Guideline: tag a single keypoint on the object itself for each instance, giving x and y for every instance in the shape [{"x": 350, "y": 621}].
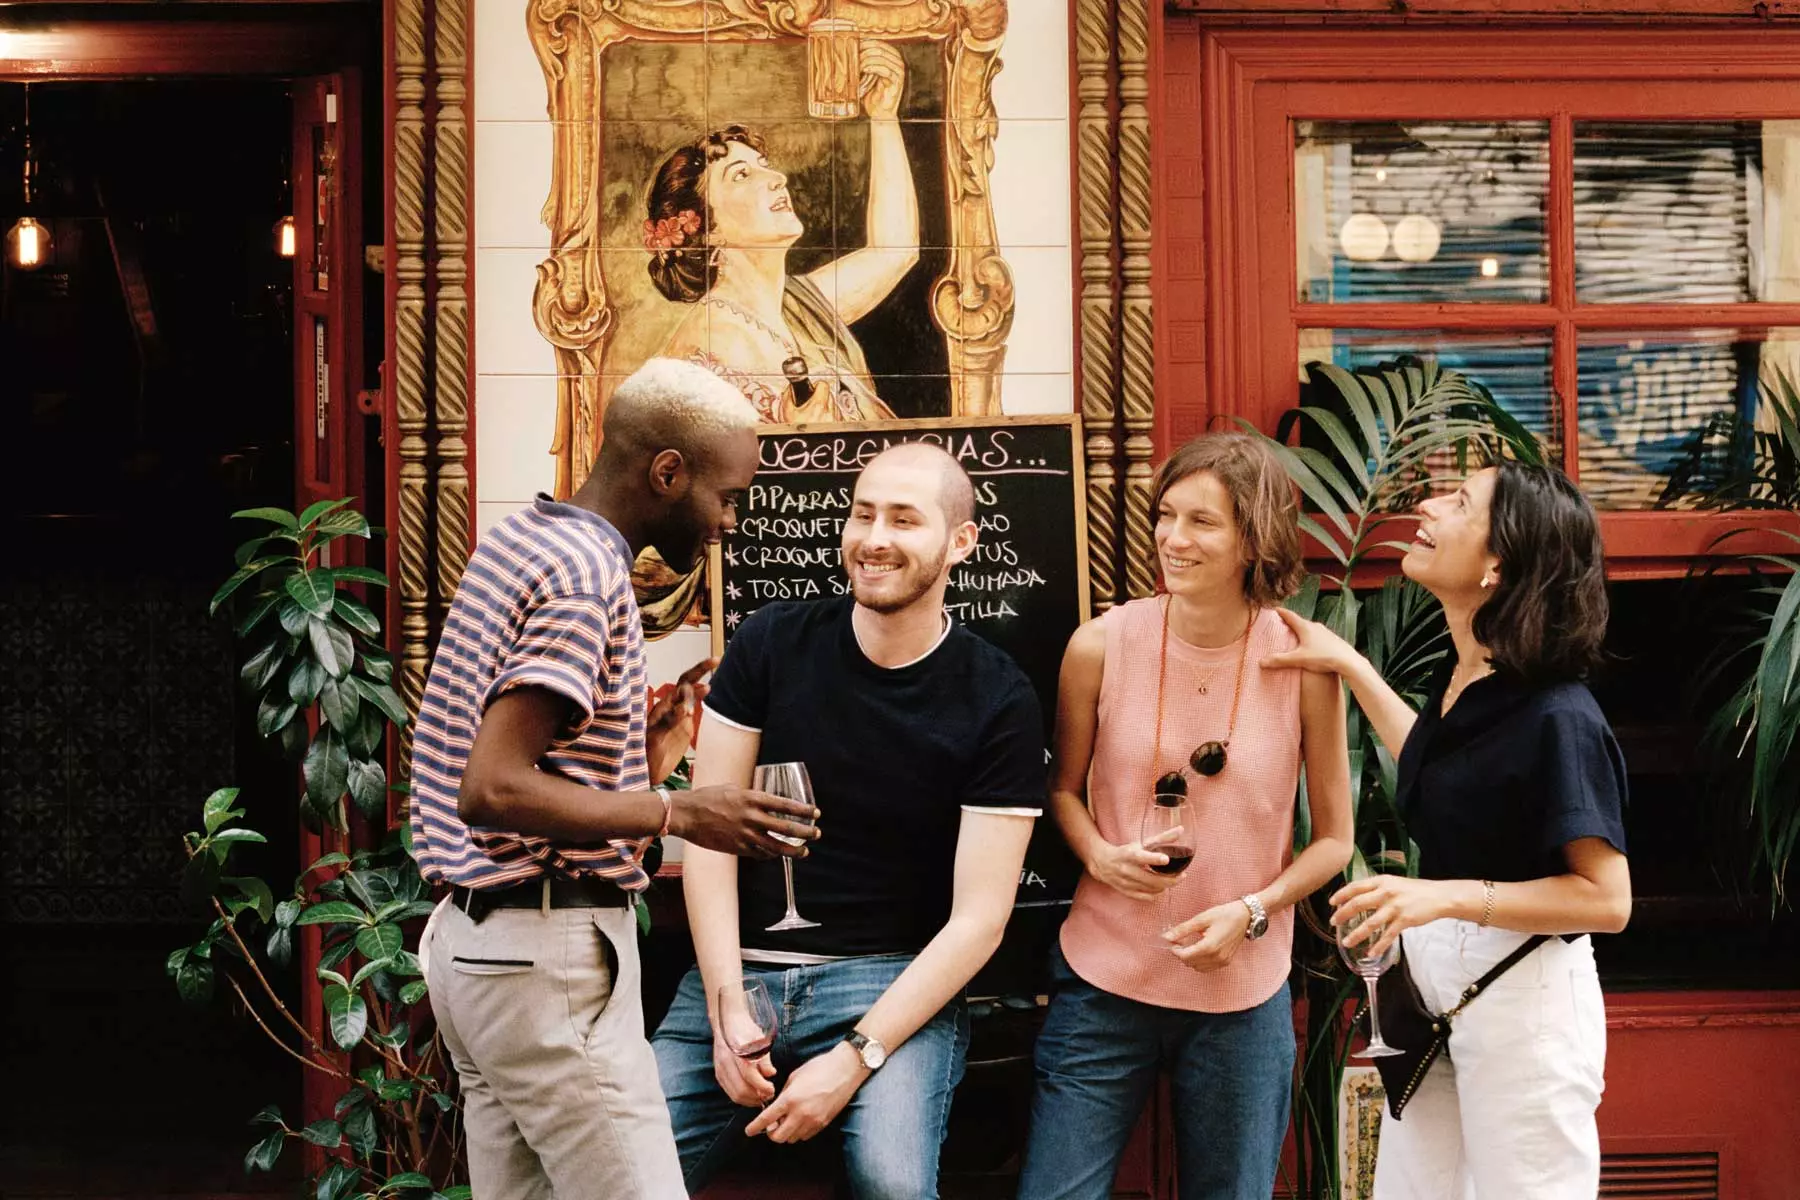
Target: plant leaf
[
  {"x": 263, "y": 666},
  {"x": 265, "y": 604},
  {"x": 383, "y": 696},
  {"x": 237, "y": 580},
  {"x": 348, "y": 1014},
  {"x": 275, "y": 516},
  {"x": 360, "y": 575},
  {"x": 413, "y": 992},
  {"x": 294, "y": 619},
  {"x": 327, "y": 767},
  {"x": 313, "y": 590},
  {"x": 379, "y": 942},
  {"x": 337, "y": 1181},
  {"x": 258, "y": 892},
  {"x": 359, "y": 1131},
  {"x": 218, "y": 808},
  {"x": 333, "y": 912},
  {"x": 262, "y": 1156},
  {"x": 194, "y": 980},
  {"x": 354, "y": 614},
  {"x": 319, "y": 508},
  {"x": 334, "y": 859},
  {"x": 332, "y": 645},
  {"x": 340, "y": 703},
  {"x": 368, "y": 787},
  {"x": 324, "y": 1132},
  {"x": 378, "y": 665}
]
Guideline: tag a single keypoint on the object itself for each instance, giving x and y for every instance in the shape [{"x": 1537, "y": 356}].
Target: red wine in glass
[
  {"x": 747, "y": 1017},
  {"x": 1179, "y": 858}
]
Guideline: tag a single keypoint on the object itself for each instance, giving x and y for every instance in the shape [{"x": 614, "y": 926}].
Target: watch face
[{"x": 873, "y": 1055}]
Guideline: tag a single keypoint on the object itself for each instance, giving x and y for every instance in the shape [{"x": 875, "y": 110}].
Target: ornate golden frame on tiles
[{"x": 971, "y": 303}]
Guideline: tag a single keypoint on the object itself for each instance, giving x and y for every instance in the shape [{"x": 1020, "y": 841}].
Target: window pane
[
  {"x": 1689, "y": 213},
  {"x": 1421, "y": 212},
  {"x": 1668, "y": 417},
  {"x": 1514, "y": 367}
]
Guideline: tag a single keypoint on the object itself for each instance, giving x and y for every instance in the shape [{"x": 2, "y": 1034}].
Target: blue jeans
[
  {"x": 894, "y": 1124},
  {"x": 1230, "y": 1078}
]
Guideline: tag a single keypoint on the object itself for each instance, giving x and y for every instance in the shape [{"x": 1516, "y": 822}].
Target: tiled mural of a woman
[
  {"x": 795, "y": 196},
  {"x": 721, "y": 220}
]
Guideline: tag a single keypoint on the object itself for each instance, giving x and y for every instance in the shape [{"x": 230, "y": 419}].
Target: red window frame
[{"x": 1252, "y": 84}]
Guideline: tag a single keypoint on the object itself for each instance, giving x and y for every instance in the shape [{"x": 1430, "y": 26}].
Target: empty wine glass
[
  {"x": 1165, "y": 830},
  {"x": 1369, "y": 967},
  {"x": 787, "y": 779},
  {"x": 747, "y": 1018}
]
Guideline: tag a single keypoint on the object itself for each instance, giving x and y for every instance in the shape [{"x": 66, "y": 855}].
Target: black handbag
[{"x": 1408, "y": 1026}]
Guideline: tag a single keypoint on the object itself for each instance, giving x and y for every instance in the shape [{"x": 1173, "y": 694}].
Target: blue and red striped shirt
[{"x": 546, "y": 601}]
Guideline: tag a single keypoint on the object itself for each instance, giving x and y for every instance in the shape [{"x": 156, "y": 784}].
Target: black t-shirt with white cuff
[
  {"x": 1496, "y": 788},
  {"x": 896, "y": 755}
]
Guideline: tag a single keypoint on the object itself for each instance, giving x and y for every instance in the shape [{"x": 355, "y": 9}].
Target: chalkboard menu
[{"x": 1025, "y": 588}]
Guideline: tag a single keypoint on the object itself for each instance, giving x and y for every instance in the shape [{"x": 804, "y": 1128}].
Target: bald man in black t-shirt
[{"x": 924, "y": 745}]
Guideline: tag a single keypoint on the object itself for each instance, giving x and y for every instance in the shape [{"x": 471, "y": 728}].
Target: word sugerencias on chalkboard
[{"x": 790, "y": 527}]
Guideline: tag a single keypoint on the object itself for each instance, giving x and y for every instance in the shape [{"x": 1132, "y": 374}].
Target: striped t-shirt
[{"x": 546, "y": 601}]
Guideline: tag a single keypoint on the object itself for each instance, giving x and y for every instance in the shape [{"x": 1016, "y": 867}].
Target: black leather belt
[{"x": 563, "y": 893}]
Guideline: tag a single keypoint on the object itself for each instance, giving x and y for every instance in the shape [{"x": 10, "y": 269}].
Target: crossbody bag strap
[{"x": 1502, "y": 967}]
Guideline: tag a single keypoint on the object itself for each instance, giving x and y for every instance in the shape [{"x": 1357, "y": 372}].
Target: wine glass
[
  {"x": 1369, "y": 967},
  {"x": 747, "y": 1018},
  {"x": 787, "y": 779},
  {"x": 1165, "y": 829}
]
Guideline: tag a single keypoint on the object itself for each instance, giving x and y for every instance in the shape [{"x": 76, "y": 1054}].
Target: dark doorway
[{"x": 146, "y": 392}]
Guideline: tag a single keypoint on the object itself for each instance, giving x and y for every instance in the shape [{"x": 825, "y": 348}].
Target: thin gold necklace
[{"x": 1162, "y": 670}]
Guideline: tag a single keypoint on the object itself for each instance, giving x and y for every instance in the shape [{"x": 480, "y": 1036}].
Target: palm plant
[
  {"x": 1378, "y": 440},
  {"x": 1751, "y": 735}
]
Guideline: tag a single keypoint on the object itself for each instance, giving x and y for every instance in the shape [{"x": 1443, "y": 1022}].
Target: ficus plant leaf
[{"x": 322, "y": 688}]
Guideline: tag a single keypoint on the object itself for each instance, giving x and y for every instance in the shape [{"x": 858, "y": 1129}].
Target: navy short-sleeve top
[{"x": 1511, "y": 775}]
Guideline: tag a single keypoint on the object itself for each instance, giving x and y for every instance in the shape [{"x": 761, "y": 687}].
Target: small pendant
[{"x": 1203, "y": 690}]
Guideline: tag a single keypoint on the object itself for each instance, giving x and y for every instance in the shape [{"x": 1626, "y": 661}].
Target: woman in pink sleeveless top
[{"x": 1174, "y": 683}]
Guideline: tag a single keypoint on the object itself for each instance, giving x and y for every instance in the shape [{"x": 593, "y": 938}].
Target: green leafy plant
[
  {"x": 1751, "y": 736},
  {"x": 322, "y": 690},
  {"x": 1376, "y": 441}
]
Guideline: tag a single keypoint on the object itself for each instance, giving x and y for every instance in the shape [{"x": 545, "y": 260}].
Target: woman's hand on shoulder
[{"x": 1318, "y": 648}]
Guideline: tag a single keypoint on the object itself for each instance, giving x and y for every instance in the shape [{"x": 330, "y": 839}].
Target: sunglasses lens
[
  {"x": 1209, "y": 759},
  {"x": 1172, "y": 784}
]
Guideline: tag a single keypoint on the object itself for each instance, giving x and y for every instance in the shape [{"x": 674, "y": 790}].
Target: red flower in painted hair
[{"x": 670, "y": 232}]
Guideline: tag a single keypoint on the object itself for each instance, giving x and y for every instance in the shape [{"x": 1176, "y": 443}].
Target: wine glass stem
[
  {"x": 787, "y": 877},
  {"x": 1369, "y": 982}
]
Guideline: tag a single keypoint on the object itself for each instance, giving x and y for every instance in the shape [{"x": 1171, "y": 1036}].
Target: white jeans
[{"x": 1508, "y": 1112}]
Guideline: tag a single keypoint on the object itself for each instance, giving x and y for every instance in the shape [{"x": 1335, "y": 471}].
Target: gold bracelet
[{"x": 1487, "y": 903}]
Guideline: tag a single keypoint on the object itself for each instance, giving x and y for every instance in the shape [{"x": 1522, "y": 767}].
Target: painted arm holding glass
[
  {"x": 1512, "y": 786},
  {"x": 1178, "y": 758}
]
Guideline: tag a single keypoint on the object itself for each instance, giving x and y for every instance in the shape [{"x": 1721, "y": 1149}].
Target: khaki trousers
[{"x": 543, "y": 1018}]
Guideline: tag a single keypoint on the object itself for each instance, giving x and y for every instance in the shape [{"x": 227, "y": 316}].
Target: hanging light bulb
[
  {"x": 1490, "y": 268},
  {"x": 28, "y": 244},
  {"x": 1417, "y": 238},
  {"x": 1364, "y": 237},
  {"x": 286, "y": 238}
]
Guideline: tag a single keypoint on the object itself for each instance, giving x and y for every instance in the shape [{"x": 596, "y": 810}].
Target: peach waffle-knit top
[{"x": 1242, "y": 818}]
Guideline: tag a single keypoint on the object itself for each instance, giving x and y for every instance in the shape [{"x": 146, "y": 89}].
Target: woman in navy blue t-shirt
[{"x": 1511, "y": 784}]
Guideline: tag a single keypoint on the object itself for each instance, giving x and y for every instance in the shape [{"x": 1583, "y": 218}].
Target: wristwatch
[
  {"x": 1259, "y": 918},
  {"x": 871, "y": 1051}
]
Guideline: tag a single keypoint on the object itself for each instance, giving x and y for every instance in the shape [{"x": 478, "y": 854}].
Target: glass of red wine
[
  {"x": 1166, "y": 832},
  {"x": 747, "y": 1018}
]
